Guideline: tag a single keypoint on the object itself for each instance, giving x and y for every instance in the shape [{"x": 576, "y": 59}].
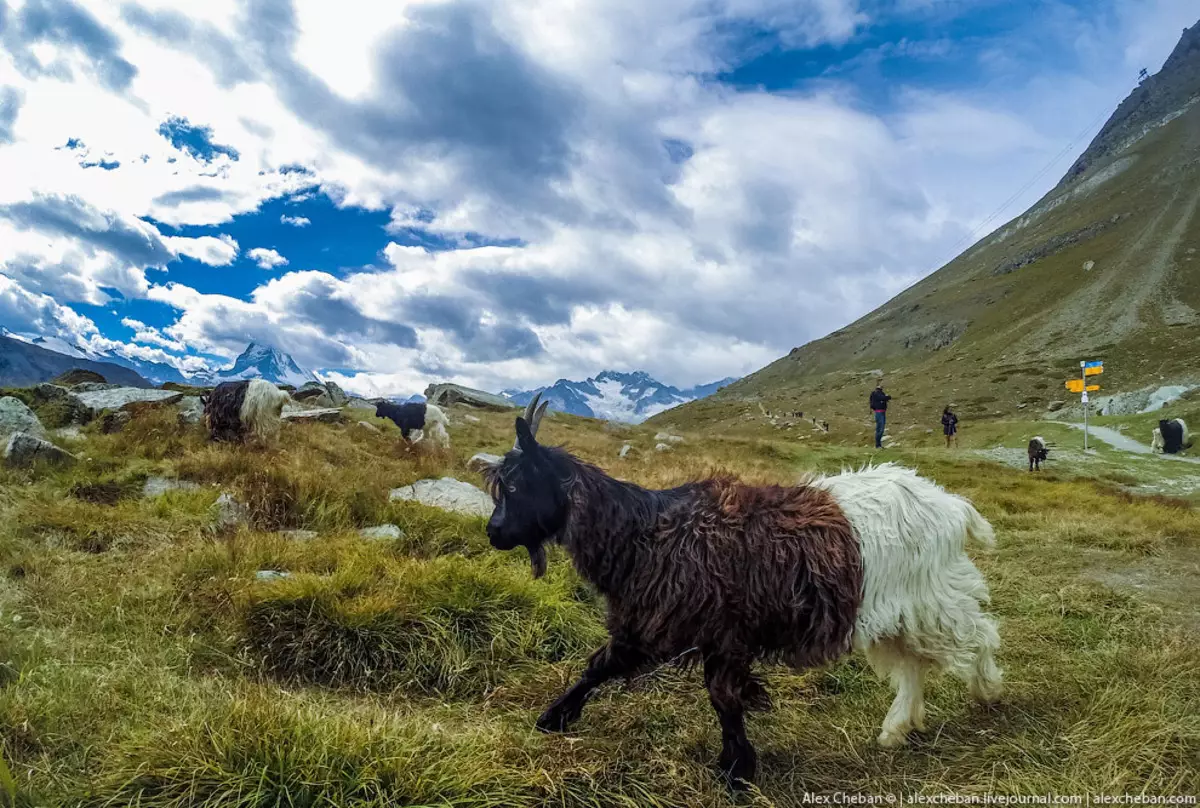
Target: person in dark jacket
[
  {"x": 950, "y": 426},
  {"x": 879, "y": 402}
]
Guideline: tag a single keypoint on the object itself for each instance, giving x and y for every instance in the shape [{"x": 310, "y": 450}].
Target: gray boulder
[
  {"x": 92, "y": 387},
  {"x": 326, "y": 415},
  {"x": 157, "y": 486},
  {"x": 229, "y": 514},
  {"x": 16, "y": 417},
  {"x": 624, "y": 450},
  {"x": 370, "y": 427},
  {"x": 448, "y": 494},
  {"x": 271, "y": 575},
  {"x": 483, "y": 460},
  {"x": 191, "y": 411},
  {"x": 116, "y": 398},
  {"x": 300, "y": 535},
  {"x": 23, "y": 450},
  {"x": 381, "y": 532},
  {"x": 444, "y": 395}
]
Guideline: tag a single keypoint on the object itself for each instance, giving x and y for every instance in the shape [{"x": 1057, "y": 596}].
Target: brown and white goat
[{"x": 727, "y": 574}]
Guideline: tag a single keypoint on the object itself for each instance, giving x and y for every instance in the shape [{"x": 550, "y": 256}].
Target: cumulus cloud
[
  {"x": 650, "y": 215},
  {"x": 267, "y": 258},
  {"x": 218, "y": 251}
]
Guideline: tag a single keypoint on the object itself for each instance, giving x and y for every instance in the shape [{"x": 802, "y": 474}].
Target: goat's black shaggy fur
[
  {"x": 716, "y": 571},
  {"x": 1037, "y": 453},
  {"x": 409, "y": 417},
  {"x": 223, "y": 411},
  {"x": 1173, "y": 435}
]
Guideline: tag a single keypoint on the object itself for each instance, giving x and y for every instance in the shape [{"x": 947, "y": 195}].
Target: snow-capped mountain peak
[
  {"x": 615, "y": 396},
  {"x": 265, "y": 362}
]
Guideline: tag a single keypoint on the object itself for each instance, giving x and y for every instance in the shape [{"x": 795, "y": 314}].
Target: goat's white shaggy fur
[
  {"x": 261, "y": 409},
  {"x": 436, "y": 423},
  {"x": 1156, "y": 440},
  {"x": 921, "y": 594}
]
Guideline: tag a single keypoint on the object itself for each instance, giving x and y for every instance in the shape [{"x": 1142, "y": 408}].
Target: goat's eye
[{"x": 512, "y": 489}]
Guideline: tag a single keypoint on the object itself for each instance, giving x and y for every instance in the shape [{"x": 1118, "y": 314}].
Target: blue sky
[{"x": 501, "y": 194}]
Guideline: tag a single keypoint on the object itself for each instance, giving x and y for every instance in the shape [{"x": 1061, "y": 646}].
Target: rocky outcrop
[
  {"x": 444, "y": 395},
  {"x": 326, "y": 415},
  {"x": 24, "y": 450},
  {"x": 118, "y": 397},
  {"x": 321, "y": 395},
  {"x": 16, "y": 417},
  {"x": 448, "y": 494},
  {"x": 191, "y": 411}
]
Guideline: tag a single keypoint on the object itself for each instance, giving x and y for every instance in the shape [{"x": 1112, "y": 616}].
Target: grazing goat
[
  {"x": 234, "y": 410},
  {"x": 1037, "y": 452},
  {"x": 725, "y": 574},
  {"x": 1170, "y": 437},
  {"x": 416, "y": 417}
]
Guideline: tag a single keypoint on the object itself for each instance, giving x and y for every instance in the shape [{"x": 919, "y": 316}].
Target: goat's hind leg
[
  {"x": 906, "y": 671},
  {"x": 730, "y": 687},
  {"x": 607, "y": 663}
]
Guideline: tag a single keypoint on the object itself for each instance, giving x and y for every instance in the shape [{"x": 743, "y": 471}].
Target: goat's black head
[{"x": 529, "y": 489}]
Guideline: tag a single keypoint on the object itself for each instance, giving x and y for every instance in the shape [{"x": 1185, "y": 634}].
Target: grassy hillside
[
  {"x": 146, "y": 663},
  {"x": 1106, "y": 266}
]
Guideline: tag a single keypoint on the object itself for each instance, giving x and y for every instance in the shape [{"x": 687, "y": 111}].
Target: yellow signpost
[{"x": 1095, "y": 370}]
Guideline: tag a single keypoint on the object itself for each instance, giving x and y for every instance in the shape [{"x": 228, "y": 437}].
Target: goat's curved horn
[
  {"x": 537, "y": 417},
  {"x": 530, "y": 417}
]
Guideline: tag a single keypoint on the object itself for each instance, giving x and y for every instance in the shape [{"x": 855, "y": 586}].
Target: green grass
[{"x": 145, "y": 664}]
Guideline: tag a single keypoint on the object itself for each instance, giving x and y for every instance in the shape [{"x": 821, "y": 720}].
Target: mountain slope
[
  {"x": 1105, "y": 266},
  {"x": 265, "y": 362},
  {"x": 613, "y": 396},
  {"x": 23, "y": 364}
]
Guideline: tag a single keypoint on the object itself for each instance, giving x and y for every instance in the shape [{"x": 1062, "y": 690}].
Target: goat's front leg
[
  {"x": 729, "y": 684},
  {"x": 609, "y": 662}
]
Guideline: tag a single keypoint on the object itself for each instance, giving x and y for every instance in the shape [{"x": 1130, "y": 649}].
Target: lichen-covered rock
[
  {"x": 327, "y": 415},
  {"x": 118, "y": 397},
  {"x": 448, "y": 494},
  {"x": 16, "y": 417},
  {"x": 381, "y": 532},
  {"x": 24, "y": 450},
  {"x": 157, "y": 486},
  {"x": 229, "y": 514},
  {"x": 191, "y": 411}
]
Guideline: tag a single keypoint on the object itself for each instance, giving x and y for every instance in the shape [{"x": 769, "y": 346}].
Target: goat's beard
[{"x": 537, "y": 558}]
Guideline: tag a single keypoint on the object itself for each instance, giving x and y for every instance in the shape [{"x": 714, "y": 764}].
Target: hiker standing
[
  {"x": 879, "y": 402},
  {"x": 950, "y": 426}
]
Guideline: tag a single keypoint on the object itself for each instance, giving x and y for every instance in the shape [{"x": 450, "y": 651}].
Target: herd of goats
[{"x": 722, "y": 574}]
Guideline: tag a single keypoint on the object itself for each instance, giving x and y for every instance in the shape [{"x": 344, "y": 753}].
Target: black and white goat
[
  {"x": 416, "y": 417},
  {"x": 725, "y": 574},
  {"x": 1170, "y": 436},
  {"x": 1037, "y": 452},
  {"x": 251, "y": 407}
]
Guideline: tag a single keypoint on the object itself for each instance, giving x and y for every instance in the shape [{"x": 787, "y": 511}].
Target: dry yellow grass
[{"x": 144, "y": 664}]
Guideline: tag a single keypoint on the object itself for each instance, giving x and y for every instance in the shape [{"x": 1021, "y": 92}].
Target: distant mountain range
[
  {"x": 23, "y": 364},
  {"x": 614, "y": 396}
]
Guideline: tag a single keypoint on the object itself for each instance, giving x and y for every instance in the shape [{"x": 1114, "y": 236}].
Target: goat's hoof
[
  {"x": 892, "y": 740},
  {"x": 554, "y": 720},
  {"x": 738, "y": 773},
  {"x": 918, "y": 723}
]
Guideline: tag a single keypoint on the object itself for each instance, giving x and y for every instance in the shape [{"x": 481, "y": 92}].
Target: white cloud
[
  {"x": 217, "y": 251},
  {"x": 266, "y": 258},
  {"x": 792, "y": 213}
]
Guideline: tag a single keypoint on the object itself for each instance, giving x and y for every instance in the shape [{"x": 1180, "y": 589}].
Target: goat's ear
[{"x": 525, "y": 440}]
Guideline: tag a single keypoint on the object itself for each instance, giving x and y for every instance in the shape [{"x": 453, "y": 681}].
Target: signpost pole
[{"x": 1083, "y": 376}]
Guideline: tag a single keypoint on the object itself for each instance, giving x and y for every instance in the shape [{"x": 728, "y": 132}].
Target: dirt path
[{"x": 1126, "y": 444}]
